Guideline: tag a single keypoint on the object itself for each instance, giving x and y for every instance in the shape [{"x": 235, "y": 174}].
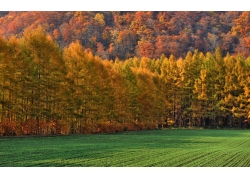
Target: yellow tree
[
  {"x": 77, "y": 92},
  {"x": 133, "y": 92},
  {"x": 43, "y": 75},
  {"x": 6, "y": 79},
  {"x": 232, "y": 104},
  {"x": 171, "y": 78},
  {"x": 191, "y": 71}
]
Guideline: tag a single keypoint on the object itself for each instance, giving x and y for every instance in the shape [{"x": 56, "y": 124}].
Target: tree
[
  {"x": 233, "y": 91},
  {"x": 43, "y": 76},
  {"x": 170, "y": 77},
  {"x": 6, "y": 69},
  {"x": 146, "y": 49},
  {"x": 100, "y": 51},
  {"x": 133, "y": 92},
  {"x": 191, "y": 71},
  {"x": 100, "y": 19}
]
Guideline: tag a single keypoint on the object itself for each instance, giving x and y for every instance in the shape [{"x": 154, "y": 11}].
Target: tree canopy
[{"x": 150, "y": 34}]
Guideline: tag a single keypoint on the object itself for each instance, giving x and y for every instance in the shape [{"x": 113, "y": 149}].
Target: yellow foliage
[{"x": 100, "y": 19}]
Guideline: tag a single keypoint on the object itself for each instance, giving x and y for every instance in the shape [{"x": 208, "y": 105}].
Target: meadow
[{"x": 155, "y": 148}]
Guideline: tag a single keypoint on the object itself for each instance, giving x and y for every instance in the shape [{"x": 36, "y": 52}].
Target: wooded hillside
[{"x": 141, "y": 34}]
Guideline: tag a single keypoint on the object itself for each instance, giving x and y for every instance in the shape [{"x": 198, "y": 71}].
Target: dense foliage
[
  {"x": 48, "y": 90},
  {"x": 160, "y": 148},
  {"x": 141, "y": 34}
]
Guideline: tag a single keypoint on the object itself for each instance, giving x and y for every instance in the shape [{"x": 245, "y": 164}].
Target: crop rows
[{"x": 167, "y": 148}]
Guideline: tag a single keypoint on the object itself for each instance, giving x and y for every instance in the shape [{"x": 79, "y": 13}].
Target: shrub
[
  {"x": 1, "y": 130},
  {"x": 51, "y": 127},
  {"x": 29, "y": 127},
  {"x": 152, "y": 126},
  {"x": 9, "y": 128}
]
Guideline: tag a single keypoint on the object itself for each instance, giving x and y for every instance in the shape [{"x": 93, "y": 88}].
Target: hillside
[{"x": 128, "y": 34}]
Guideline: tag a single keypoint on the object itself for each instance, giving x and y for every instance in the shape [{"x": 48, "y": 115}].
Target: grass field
[{"x": 160, "y": 148}]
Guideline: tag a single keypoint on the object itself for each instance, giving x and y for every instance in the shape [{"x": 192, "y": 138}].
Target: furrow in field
[
  {"x": 163, "y": 159},
  {"x": 170, "y": 161},
  {"x": 68, "y": 156},
  {"x": 19, "y": 160},
  {"x": 101, "y": 161},
  {"x": 147, "y": 160},
  {"x": 210, "y": 160},
  {"x": 104, "y": 161},
  {"x": 71, "y": 159},
  {"x": 181, "y": 159},
  {"x": 244, "y": 160},
  {"x": 238, "y": 144},
  {"x": 244, "y": 144},
  {"x": 227, "y": 158},
  {"x": 167, "y": 159},
  {"x": 201, "y": 161},
  {"x": 238, "y": 160},
  {"x": 192, "y": 159},
  {"x": 246, "y": 163},
  {"x": 128, "y": 160},
  {"x": 88, "y": 161},
  {"x": 35, "y": 159},
  {"x": 227, "y": 143}
]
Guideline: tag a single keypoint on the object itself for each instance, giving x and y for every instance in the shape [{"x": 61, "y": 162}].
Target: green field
[{"x": 160, "y": 148}]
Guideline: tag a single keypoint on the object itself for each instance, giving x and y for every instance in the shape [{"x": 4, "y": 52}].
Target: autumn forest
[{"x": 98, "y": 72}]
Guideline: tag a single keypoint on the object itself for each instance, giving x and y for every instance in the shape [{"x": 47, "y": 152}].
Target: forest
[
  {"x": 126, "y": 34},
  {"x": 49, "y": 85}
]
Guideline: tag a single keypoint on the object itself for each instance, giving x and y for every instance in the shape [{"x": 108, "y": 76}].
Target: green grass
[{"x": 160, "y": 148}]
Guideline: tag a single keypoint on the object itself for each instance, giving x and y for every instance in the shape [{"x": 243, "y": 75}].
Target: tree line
[{"x": 48, "y": 90}]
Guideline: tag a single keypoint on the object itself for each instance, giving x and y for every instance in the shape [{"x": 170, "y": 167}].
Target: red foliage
[
  {"x": 126, "y": 29},
  {"x": 9, "y": 128},
  {"x": 1, "y": 130},
  {"x": 29, "y": 127},
  {"x": 56, "y": 33},
  {"x": 146, "y": 49}
]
